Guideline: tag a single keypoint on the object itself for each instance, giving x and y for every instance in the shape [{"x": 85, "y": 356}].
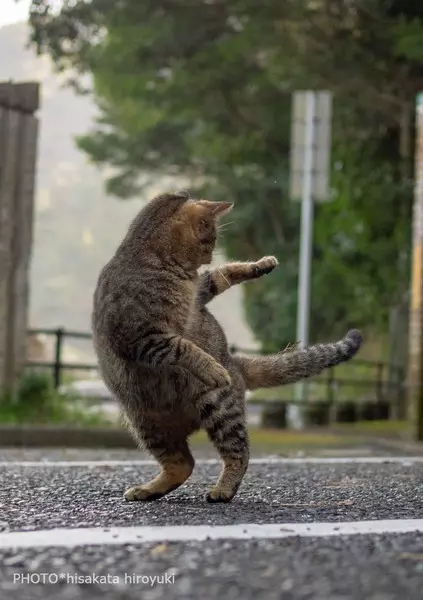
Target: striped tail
[{"x": 292, "y": 366}]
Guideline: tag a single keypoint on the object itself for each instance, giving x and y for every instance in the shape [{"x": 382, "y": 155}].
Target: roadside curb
[
  {"x": 398, "y": 446},
  {"x": 32, "y": 436},
  {"x": 56, "y": 436}
]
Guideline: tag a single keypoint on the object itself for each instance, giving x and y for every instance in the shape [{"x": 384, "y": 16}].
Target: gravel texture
[
  {"x": 384, "y": 567},
  {"x": 45, "y": 497},
  {"x": 347, "y": 568}
]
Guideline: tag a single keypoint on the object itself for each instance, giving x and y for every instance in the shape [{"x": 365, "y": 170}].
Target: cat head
[
  {"x": 194, "y": 227},
  {"x": 178, "y": 228}
]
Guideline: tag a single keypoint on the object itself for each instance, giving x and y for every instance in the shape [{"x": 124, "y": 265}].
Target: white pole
[
  {"x": 415, "y": 356},
  {"x": 306, "y": 244}
]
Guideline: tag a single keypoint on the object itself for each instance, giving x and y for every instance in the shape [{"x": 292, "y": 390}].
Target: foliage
[
  {"x": 201, "y": 91},
  {"x": 36, "y": 401}
]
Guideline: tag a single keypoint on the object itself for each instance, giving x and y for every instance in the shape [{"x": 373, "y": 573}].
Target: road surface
[{"x": 299, "y": 529}]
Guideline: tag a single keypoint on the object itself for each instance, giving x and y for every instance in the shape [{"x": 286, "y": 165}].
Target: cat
[{"x": 164, "y": 355}]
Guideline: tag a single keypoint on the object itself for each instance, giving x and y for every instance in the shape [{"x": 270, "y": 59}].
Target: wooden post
[
  {"x": 18, "y": 145},
  {"x": 415, "y": 362}
]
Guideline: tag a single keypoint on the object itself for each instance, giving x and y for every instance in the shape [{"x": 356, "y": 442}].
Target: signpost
[
  {"x": 310, "y": 165},
  {"x": 415, "y": 362}
]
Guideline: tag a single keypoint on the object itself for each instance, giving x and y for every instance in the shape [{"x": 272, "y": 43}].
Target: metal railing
[
  {"x": 380, "y": 380},
  {"x": 57, "y": 365}
]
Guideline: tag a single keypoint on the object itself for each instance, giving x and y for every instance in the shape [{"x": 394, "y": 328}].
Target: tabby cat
[{"x": 165, "y": 357}]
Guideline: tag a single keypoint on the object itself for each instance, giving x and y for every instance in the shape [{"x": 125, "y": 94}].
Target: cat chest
[{"x": 182, "y": 313}]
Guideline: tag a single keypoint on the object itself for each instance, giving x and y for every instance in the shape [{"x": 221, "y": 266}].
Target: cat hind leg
[
  {"x": 177, "y": 464},
  {"x": 224, "y": 421}
]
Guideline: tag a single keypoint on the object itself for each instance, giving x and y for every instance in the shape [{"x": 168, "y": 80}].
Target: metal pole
[
  {"x": 57, "y": 367},
  {"x": 415, "y": 358},
  {"x": 306, "y": 244},
  {"x": 306, "y": 239}
]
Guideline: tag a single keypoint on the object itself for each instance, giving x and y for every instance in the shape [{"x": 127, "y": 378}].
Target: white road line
[
  {"x": 69, "y": 538},
  {"x": 403, "y": 460}
]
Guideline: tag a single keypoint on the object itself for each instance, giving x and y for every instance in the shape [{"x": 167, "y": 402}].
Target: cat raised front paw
[{"x": 264, "y": 266}]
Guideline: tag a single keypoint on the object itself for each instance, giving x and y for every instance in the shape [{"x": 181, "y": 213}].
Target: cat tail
[{"x": 293, "y": 365}]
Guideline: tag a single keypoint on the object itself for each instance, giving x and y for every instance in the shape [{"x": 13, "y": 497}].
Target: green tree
[{"x": 201, "y": 91}]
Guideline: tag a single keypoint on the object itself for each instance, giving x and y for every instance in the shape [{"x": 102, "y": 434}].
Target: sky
[{"x": 11, "y": 11}]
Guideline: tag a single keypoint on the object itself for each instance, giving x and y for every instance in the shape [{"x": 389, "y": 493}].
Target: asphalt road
[{"x": 284, "y": 494}]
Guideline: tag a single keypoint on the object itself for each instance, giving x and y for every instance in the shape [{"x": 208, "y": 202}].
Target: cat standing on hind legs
[{"x": 165, "y": 357}]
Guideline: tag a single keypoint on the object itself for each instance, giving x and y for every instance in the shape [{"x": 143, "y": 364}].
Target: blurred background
[{"x": 137, "y": 97}]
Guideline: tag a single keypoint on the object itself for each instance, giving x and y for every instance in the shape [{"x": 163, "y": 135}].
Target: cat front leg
[
  {"x": 212, "y": 283},
  {"x": 161, "y": 349}
]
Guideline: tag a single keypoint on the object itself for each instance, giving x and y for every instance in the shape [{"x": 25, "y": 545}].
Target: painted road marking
[
  {"x": 404, "y": 461},
  {"x": 68, "y": 538}
]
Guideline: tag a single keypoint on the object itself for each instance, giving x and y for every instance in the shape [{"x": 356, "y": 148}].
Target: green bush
[
  {"x": 274, "y": 415},
  {"x": 35, "y": 397},
  {"x": 37, "y": 401},
  {"x": 346, "y": 412},
  {"x": 373, "y": 410},
  {"x": 317, "y": 413}
]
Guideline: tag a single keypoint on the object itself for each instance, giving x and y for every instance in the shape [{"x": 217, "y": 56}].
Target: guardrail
[
  {"x": 382, "y": 380},
  {"x": 57, "y": 366}
]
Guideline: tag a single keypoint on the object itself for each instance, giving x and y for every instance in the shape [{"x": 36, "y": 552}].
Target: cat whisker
[
  {"x": 225, "y": 225},
  {"x": 221, "y": 230},
  {"x": 225, "y": 278},
  {"x": 291, "y": 347}
]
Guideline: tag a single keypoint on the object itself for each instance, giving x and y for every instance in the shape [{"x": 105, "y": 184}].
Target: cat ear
[
  {"x": 183, "y": 194},
  {"x": 166, "y": 205},
  {"x": 222, "y": 208},
  {"x": 217, "y": 209}
]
